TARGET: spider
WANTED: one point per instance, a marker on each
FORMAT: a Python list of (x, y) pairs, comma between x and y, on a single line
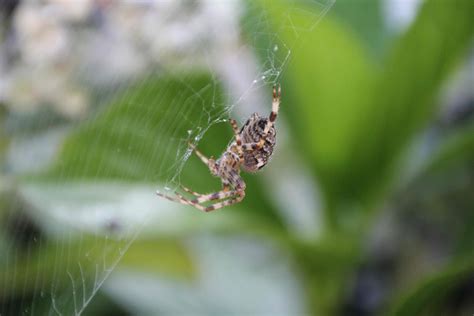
[(250, 151)]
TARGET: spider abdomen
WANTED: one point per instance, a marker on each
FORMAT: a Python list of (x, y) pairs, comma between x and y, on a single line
[(253, 132)]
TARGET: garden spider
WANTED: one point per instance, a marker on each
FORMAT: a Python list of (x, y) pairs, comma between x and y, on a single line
[(250, 151)]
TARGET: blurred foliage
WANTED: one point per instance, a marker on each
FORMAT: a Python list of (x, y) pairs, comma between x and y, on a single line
[(3, 136), (355, 121), (328, 85), (431, 295), (353, 118), (457, 149), (34, 268), (325, 268), (132, 141), (364, 19), (36, 254), (131, 138)]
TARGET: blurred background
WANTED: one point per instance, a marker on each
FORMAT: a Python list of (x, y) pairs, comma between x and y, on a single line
[(366, 208)]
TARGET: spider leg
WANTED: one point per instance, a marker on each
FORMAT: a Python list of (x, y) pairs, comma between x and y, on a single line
[(275, 108), (214, 196), (180, 199), (210, 162), (169, 197), (225, 187), (228, 202), (191, 191), (220, 195), (206, 198), (230, 194), (271, 120), (275, 104), (238, 139), (199, 154)]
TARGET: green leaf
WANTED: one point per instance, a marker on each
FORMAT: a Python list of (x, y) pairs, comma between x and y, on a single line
[(142, 136), (81, 264), (325, 94), (366, 19), (137, 137), (353, 121), (404, 96)]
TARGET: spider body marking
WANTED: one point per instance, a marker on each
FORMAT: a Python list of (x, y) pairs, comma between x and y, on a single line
[(250, 151), (251, 133)]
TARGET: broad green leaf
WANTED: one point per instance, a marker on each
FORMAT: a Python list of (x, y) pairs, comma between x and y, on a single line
[(325, 94), (366, 18), (142, 136), (404, 96), (352, 121), (139, 135)]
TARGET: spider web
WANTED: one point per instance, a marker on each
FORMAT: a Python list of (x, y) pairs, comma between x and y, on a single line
[(102, 118), (247, 71)]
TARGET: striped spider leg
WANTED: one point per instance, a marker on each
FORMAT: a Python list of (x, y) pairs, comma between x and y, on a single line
[(227, 195)]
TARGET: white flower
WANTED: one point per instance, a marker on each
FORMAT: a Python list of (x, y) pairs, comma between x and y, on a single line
[(41, 38), (127, 39)]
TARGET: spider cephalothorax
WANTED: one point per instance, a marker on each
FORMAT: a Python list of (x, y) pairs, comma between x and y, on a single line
[(250, 150)]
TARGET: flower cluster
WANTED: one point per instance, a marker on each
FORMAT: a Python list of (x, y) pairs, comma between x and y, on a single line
[(63, 50)]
